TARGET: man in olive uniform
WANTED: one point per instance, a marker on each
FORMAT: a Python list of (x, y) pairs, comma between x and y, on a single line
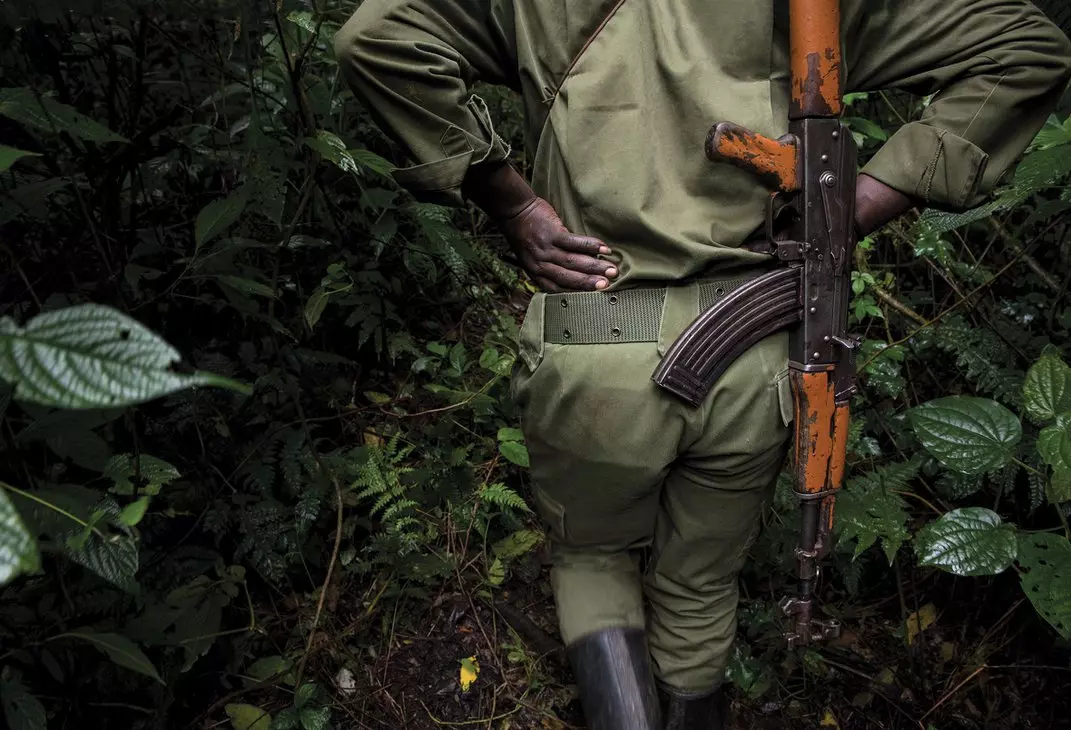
[(631, 232)]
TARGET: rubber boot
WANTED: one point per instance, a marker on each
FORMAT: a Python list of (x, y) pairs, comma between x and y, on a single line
[(694, 712), (613, 673)]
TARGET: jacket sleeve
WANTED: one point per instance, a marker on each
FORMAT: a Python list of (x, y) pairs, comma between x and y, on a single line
[(412, 64), (996, 69)]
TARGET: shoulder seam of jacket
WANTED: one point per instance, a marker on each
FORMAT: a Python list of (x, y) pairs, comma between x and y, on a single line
[(553, 93)]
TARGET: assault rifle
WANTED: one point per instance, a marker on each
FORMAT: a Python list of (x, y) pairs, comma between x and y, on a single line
[(812, 174)]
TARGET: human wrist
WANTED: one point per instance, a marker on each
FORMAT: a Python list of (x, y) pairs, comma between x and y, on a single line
[(876, 204), (498, 190)]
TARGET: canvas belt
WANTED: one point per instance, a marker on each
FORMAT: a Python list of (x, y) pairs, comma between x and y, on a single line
[(628, 315)]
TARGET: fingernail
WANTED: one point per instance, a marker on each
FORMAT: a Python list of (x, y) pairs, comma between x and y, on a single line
[(611, 273), (601, 284), (604, 250)]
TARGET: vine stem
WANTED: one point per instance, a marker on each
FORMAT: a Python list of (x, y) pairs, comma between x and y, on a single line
[(985, 285), (335, 549), (1027, 467), (1063, 521), (919, 497), (951, 692), (44, 503)]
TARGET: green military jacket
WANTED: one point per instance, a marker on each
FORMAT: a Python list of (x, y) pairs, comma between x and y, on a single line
[(619, 96)]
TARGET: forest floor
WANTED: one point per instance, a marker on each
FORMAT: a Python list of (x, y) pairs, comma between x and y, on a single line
[(967, 669)]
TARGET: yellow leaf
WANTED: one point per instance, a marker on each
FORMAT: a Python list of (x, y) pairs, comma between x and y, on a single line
[(829, 720), (247, 717), (470, 670), (919, 621), (371, 438), (380, 399)]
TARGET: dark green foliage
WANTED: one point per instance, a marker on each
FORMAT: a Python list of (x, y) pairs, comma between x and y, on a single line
[(210, 177)]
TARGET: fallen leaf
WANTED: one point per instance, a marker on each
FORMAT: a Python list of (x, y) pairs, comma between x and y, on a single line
[(470, 670), (829, 720), (919, 621), (247, 717)]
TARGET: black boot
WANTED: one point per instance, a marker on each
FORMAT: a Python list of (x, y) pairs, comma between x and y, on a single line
[(694, 712), (613, 672)]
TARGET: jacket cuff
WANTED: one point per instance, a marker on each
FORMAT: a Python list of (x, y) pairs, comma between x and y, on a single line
[(439, 181), (932, 164)]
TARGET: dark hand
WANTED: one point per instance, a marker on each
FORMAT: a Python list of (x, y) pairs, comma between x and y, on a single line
[(556, 259)]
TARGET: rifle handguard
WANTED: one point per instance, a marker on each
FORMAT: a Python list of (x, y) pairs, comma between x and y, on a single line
[(705, 350)]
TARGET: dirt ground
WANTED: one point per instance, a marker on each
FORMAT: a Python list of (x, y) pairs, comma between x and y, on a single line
[(864, 681)]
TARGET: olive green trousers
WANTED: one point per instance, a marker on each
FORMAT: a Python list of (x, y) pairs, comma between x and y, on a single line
[(618, 465)]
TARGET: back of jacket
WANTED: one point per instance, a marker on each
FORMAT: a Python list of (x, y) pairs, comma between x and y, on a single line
[(620, 94)]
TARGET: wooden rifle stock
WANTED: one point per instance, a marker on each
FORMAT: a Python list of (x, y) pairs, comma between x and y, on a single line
[(812, 173)]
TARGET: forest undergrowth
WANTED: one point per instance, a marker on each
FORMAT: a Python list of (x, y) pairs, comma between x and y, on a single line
[(259, 467)]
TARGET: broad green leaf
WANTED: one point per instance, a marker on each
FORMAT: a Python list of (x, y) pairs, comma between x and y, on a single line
[(112, 557), (133, 513), (18, 548), (303, 20), (9, 156), (333, 149), (92, 356), (22, 711), (119, 649), (247, 717), (1058, 488), (314, 308), (216, 217), (750, 673), (268, 668), (287, 719), (1054, 445), (510, 434), (867, 127), (517, 544), (318, 718), (1054, 442), (1047, 390), (153, 474), (371, 161), (45, 114), (305, 694), (968, 434), (250, 287), (1046, 577), (514, 451), (967, 541)]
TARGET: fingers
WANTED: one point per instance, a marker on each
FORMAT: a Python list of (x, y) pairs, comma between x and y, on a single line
[(583, 264), (582, 244), (553, 277)]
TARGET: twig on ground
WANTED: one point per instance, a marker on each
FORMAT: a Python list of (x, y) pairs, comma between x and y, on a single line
[(948, 695)]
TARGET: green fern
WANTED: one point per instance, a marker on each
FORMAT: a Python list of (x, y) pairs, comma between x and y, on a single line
[(379, 479), (868, 509), (986, 361), (501, 496)]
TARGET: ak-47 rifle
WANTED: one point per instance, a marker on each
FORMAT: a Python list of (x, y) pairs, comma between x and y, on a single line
[(812, 173)]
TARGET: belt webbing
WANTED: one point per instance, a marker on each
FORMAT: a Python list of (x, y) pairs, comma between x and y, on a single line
[(629, 315)]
